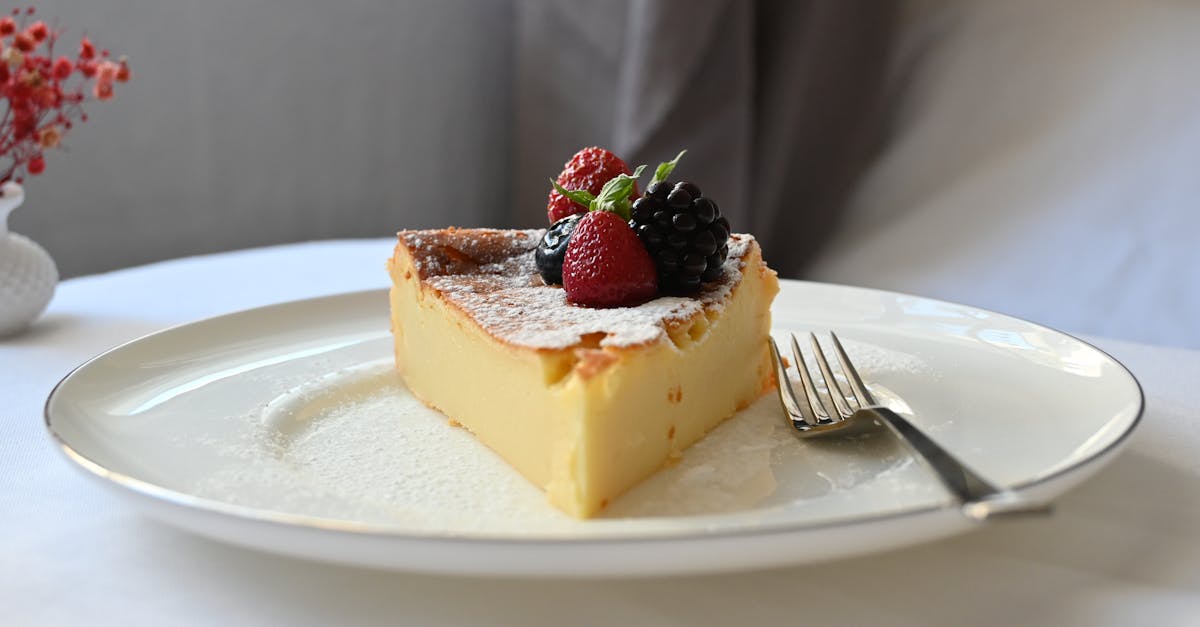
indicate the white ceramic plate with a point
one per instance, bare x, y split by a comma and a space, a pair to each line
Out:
283, 429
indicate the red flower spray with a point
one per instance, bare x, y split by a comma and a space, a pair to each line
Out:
42, 95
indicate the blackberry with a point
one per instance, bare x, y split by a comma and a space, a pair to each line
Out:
553, 248
684, 232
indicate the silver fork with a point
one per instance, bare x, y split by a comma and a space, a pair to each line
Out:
858, 411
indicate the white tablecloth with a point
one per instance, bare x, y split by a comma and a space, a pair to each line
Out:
1123, 549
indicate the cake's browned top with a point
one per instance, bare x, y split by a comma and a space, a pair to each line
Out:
491, 276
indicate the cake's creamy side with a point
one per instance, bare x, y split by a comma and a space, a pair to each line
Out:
584, 402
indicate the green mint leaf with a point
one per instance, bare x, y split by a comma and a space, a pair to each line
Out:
614, 196
664, 169
581, 196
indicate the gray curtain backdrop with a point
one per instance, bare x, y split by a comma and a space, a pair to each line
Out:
777, 102
260, 122
253, 122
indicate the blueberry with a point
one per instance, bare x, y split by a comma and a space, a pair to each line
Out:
553, 249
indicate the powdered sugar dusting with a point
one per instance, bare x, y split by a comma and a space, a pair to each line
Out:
359, 447
492, 277
451, 252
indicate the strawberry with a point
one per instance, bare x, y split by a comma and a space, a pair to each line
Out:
589, 170
606, 264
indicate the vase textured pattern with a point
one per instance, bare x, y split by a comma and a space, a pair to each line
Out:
28, 275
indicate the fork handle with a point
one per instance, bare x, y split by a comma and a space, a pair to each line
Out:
980, 499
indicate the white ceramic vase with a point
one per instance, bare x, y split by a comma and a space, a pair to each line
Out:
28, 275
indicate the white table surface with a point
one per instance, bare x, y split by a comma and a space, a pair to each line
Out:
1122, 549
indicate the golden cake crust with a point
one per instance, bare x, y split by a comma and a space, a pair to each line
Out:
491, 277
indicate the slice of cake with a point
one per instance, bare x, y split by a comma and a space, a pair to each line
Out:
584, 402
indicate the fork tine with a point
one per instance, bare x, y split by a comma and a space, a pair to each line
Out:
786, 395
810, 392
831, 386
861, 395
